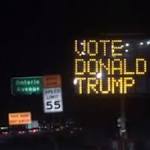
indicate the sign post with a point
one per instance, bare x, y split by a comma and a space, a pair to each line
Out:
52, 94
123, 131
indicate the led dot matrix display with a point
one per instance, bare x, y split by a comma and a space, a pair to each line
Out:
123, 64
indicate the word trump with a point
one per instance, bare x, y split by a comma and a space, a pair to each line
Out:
107, 57
97, 86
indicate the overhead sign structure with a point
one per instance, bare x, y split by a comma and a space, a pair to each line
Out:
112, 66
26, 85
52, 94
20, 118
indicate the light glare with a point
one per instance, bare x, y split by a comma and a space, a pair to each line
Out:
83, 53
127, 44
141, 43
148, 42
75, 81
99, 75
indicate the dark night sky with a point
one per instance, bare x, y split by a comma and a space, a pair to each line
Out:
36, 39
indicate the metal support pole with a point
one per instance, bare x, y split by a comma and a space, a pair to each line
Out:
123, 132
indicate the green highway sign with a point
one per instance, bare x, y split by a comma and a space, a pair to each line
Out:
26, 85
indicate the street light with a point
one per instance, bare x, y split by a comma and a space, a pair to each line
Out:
75, 81
148, 42
127, 44
141, 43
99, 75
83, 53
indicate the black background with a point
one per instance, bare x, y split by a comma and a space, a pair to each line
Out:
36, 38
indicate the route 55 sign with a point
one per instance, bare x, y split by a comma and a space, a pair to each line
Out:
52, 94
52, 100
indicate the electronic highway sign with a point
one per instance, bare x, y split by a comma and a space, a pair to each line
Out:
111, 66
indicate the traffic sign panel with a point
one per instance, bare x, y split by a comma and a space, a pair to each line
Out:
26, 85
20, 118
51, 81
52, 100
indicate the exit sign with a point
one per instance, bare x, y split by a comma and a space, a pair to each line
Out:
26, 85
